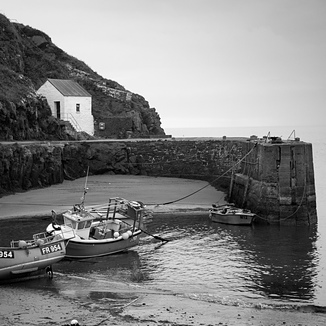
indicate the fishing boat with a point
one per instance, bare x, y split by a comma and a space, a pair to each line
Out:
30, 258
228, 214
98, 232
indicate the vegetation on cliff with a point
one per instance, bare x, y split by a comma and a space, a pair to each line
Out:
27, 58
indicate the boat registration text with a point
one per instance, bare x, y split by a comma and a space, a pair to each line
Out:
50, 249
7, 254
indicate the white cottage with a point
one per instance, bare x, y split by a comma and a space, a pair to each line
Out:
69, 102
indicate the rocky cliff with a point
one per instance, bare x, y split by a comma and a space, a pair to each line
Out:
27, 58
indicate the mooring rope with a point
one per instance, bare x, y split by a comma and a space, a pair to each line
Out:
296, 211
191, 194
230, 169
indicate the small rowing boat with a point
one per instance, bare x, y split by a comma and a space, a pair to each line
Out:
228, 214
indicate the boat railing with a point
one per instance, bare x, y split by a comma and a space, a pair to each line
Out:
22, 243
42, 238
118, 205
59, 235
38, 239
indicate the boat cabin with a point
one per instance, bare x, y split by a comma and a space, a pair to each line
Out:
79, 220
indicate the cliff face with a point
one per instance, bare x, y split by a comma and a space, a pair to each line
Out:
30, 119
28, 166
27, 58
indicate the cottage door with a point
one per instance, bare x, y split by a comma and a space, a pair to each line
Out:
57, 109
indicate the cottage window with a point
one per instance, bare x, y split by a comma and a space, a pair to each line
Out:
77, 107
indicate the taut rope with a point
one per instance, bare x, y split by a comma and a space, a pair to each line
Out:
230, 169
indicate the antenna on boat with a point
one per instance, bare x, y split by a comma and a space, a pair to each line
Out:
85, 188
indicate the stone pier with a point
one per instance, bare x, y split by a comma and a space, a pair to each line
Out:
277, 183
271, 177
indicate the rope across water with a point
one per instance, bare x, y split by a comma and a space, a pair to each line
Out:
191, 194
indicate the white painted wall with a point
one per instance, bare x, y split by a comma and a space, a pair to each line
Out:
52, 95
84, 119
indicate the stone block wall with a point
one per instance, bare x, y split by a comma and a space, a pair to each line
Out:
206, 160
281, 187
276, 181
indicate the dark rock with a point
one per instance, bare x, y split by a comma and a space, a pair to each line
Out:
28, 58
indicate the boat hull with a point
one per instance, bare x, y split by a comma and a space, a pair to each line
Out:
232, 219
82, 249
22, 262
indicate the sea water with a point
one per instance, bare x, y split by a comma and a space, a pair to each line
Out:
286, 264
276, 267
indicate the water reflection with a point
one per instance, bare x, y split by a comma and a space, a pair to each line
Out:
258, 261
263, 263
124, 266
285, 259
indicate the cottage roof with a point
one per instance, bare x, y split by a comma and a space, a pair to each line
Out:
68, 87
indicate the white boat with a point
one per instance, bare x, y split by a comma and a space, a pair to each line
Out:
98, 233
28, 258
228, 214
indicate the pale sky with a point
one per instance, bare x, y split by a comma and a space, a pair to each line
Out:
199, 63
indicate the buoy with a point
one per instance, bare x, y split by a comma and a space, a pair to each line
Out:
39, 242
135, 204
22, 244
125, 236
74, 322
116, 234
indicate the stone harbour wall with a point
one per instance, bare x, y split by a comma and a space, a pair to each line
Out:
274, 180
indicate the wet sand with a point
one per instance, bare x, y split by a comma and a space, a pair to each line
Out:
154, 192
144, 307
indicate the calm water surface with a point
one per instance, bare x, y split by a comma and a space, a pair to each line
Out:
248, 266
264, 266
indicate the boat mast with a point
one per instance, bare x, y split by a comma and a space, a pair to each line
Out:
85, 189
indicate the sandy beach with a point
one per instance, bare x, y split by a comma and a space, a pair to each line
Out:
154, 192
144, 307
